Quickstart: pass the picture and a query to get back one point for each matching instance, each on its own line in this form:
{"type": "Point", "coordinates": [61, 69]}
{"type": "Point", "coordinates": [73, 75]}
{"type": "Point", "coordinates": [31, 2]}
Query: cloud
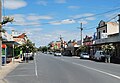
{"type": "Point", "coordinates": [90, 18]}
{"type": "Point", "coordinates": [66, 21]}
{"type": "Point", "coordinates": [14, 4]}
{"type": "Point", "coordinates": [30, 19]}
{"type": "Point", "coordinates": [87, 16]}
{"type": "Point", "coordinates": [9, 28]}
{"type": "Point", "coordinates": [18, 17]}
{"type": "Point", "coordinates": [44, 3]}
{"type": "Point", "coordinates": [32, 31]}
{"type": "Point", "coordinates": [48, 35]}
{"type": "Point", "coordinates": [54, 36]}
{"type": "Point", "coordinates": [60, 1]}
{"type": "Point", "coordinates": [42, 38]}
{"type": "Point", "coordinates": [38, 17]}
{"type": "Point", "coordinates": [73, 7]}
{"type": "Point", "coordinates": [84, 18]}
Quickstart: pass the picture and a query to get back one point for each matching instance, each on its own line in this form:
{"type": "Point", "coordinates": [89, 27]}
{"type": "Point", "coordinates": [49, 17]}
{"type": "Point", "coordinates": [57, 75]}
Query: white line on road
{"type": "Point", "coordinates": [115, 76]}
{"type": "Point", "coordinates": [19, 75]}
{"type": "Point", "coordinates": [36, 72]}
{"type": "Point", "coordinates": [112, 75]}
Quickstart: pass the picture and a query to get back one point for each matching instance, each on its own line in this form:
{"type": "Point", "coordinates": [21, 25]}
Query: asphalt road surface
{"type": "Point", "coordinates": [50, 69]}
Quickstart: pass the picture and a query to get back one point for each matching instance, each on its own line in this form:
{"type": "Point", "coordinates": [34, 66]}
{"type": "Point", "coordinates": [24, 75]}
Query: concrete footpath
{"type": "Point", "coordinates": [7, 69]}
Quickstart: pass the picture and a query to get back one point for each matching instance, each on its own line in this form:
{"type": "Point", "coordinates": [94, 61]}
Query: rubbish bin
{"type": "Point", "coordinates": [3, 60]}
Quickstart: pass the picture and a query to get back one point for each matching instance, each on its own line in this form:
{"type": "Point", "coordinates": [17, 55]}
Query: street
{"type": "Point", "coordinates": [50, 69]}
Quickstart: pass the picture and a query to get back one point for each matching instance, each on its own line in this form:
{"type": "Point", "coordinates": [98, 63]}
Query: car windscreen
{"type": "Point", "coordinates": [85, 53]}
{"type": "Point", "coordinates": [101, 53]}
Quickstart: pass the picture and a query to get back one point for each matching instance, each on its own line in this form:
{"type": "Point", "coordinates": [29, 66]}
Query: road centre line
{"type": "Point", "coordinates": [109, 74]}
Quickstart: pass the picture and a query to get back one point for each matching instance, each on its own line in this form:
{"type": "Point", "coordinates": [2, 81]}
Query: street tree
{"type": "Point", "coordinates": [44, 49]}
{"type": "Point", "coordinates": [108, 50]}
{"type": "Point", "coordinates": [82, 48]}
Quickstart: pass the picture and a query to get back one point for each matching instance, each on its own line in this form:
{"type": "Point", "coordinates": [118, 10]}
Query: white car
{"type": "Point", "coordinates": [30, 56]}
{"type": "Point", "coordinates": [84, 55]}
{"type": "Point", "coordinates": [99, 55]}
{"type": "Point", "coordinates": [57, 54]}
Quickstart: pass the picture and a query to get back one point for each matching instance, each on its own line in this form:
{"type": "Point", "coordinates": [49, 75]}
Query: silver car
{"type": "Point", "coordinates": [84, 55]}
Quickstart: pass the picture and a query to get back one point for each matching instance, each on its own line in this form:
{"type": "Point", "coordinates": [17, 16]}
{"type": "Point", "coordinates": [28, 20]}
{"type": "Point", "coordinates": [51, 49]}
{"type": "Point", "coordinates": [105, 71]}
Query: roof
{"type": "Point", "coordinates": [21, 36]}
{"type": "Point", "coordinates": [19, 40]}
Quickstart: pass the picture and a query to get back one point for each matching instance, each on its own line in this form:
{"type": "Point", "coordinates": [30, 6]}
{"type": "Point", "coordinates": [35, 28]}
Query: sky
{"type": "Point", "coordinates": [45, 20]}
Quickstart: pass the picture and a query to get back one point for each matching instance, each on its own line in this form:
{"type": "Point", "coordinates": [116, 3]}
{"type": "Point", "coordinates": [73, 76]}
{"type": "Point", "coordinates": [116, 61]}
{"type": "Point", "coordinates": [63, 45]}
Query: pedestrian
{"type": "Point", "coordinates": [107, 58]}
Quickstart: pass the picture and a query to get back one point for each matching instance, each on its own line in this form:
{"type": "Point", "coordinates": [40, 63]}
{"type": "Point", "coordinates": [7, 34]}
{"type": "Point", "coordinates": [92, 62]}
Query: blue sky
{"type": "Point", "coordinates": [45, 20]}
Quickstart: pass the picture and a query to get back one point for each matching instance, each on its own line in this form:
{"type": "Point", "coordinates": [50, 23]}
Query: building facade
{"type": "Point", "coordinates": [108, 33]}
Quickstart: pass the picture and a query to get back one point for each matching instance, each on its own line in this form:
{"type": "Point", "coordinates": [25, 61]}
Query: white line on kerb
{"type": "Point", "coordinates": [36, 72]}
{"type": "Point", "coordinates": [115, 76]}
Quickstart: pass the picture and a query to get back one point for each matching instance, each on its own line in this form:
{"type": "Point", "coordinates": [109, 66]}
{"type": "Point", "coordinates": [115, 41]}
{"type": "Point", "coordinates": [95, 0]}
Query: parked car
{"type": "Point", "coordinates": [50, 52]}
{"type": "Point", "coordinates": [99, 56]}
{"type": "Point", "coordinates": [57, 54]}
{"type": "Point", "coordinates": [84, 55]}
{"type": "Point", "coordinates": [29, 56]}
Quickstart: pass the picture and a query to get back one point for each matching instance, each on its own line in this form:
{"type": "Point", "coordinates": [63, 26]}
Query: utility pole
{"type": "Point", "coordinates": [0, 35]}
{"type": "Point", "coordinates": [119, 23]}
{"type": "Point", "coordinates": [61, 41]}
{"type": "Point", "coordinates": [81, 29]}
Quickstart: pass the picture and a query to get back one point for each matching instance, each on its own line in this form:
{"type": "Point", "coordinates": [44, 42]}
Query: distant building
{"type": "Point", "coordinates": [87, 41]}
{"type": "Point", "coordinates": [72, 47]}
{"type": "Point", "coordinates": [20, 38]}
{"type": "Point", "coordinates": [55, 45]}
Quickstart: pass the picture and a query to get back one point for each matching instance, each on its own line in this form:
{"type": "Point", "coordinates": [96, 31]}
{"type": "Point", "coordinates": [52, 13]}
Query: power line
{"type": "Point", "coordinates": [91, 28]}
{"type": "Point", "coordinates": [98, 14]}
{"type": "Point", "coordinates": [72, 19]}
{"type": "Point", "coordinates": [106, 21]}
{"type": "Point", "coordinates": [112, 18]}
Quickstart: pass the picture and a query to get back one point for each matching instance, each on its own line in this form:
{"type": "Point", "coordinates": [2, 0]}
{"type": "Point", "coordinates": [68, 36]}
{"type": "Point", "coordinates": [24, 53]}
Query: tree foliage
{"type": "Point", "coordinates": [28, 47]}
{"type": "Point", "coordinates": [44, 49]}
{"type": "Point", "coordinates": [83, 48]}
{"type": "Point", "coordinates": [109, 48]}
